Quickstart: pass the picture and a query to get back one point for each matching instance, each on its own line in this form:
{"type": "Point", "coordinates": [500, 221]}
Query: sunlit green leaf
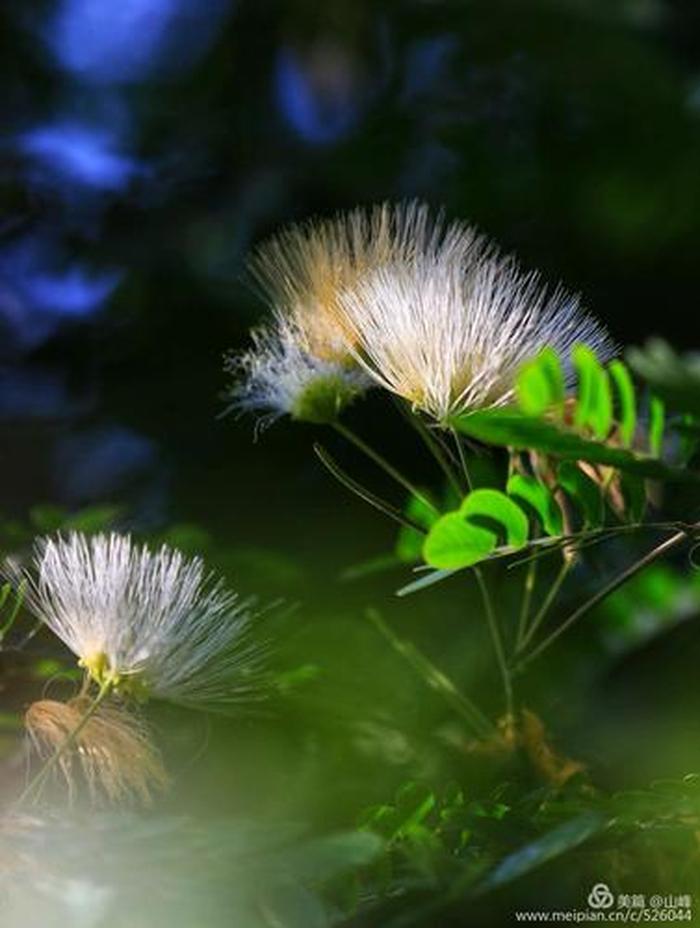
{"type": "Point", "coordinates": [657, 419]}
{"type": "Point", "coordinates": [453, 542]}
{"type": "Point", "coordinates": [674, 377]}
{"type": "Point", "coordinates": [627, 401]}
{"type": "Point", "coordinates": [594, 400]}
{"type": "Point", "coordinates": [540, 384]}
{"type": "Point", "coordinates": [496, 506]}
{"type": "Point", "coordinates": [537, 495]}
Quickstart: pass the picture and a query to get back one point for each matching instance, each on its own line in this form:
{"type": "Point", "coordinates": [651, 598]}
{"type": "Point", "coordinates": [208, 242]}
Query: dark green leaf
{"type": "Point", "coordinates": [509, 428]}
{"type": "Point", "coordinates": [553, 844]}
{"type": "Point", "coordinates": [539, 497]}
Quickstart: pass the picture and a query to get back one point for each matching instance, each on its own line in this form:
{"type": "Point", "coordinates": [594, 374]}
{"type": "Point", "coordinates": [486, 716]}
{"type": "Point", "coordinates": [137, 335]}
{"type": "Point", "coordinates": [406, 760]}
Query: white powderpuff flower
{"type": "Point", "coordinates": [147, 623]}
{"type": "Point", "coordinates": [278, 377]}
{"type": "Point", "coordinates": [449, 329]}
{"type": "Point", "coordinates": [303, 270]}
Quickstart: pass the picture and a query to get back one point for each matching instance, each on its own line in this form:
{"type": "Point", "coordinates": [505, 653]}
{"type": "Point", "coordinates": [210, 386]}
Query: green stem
{"type": "Point", "coordinates": [528, 590]}
{"type": "Point", "coordinates": [435, 678]}
{"type": "Point", "coordinates": [497, 639]}
{"type": "Point", "coordinates": [37, 782]}
{"type": "Point", "coordinates": [462, 459]}
{"type": "Point", "coordinates": [364, 494]}
{"type": "Point", "coordinates": [609, 588]}
{"type": "Point", "coordinates": [434, 448]}
{"type": "Point", "coordinates": [380, 461]}
{"type": "Point", "coordinates": [546, 605]}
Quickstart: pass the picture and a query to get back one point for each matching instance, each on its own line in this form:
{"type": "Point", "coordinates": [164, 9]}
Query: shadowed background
{"type": "Point", "coordinates": [148, 144]}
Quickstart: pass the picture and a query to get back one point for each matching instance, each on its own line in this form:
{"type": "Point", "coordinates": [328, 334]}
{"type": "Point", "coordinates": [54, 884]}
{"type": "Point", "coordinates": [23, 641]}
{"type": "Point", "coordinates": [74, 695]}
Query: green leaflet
{"type": "Point", "coordinates": [409, 542]}
{"type": "Point", "coordinates": [458, 540]}
{"type": "Point", "coordinates": [453, 542]}
{"type": "Point", "coordinates": [512, 429]}
{"type": "Point", "coordinates": [537, 495]}
{"type": "Point", "coordinates": [657, 419]}
{"type": "Point", "coordinates": [627, 401]}
{"type": "Point", "coordinates": [583, 491]}
{"type": "Point", "coordinates": [594, 401]}
{"type": "Point", "coordinates": [540, 385]}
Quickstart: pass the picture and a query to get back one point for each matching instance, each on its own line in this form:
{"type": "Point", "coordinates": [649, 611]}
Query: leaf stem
{"type": "Point", "coordinates": [371, 498]}
{"type": "Point", "coordinates": [547, 604]}
{"type": "Point", "coordinates": [497, 639]}
{"type": "Point", "coordinates": [528, 590]}
{"type": "Point", "coordinates": [653, 555]}
{"type": "Point", "coordinates": [433, 447]}
{"type": "Point", "coordinates": [435, 678]}
{"type": "Point", "coordinates": [381, 462]}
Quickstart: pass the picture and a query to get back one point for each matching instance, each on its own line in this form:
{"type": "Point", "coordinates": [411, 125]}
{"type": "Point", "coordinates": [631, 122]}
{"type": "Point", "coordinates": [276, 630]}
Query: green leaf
{"type": "Point", "coordinates": [539, 497]}
{"type": "Point", "coordinates": [496, 506]}
{"type": "Point", "coordinates": [456, 540]}
{"type": "Point", "coordinates": [627, 401]}
{"type": "Point", "coordinates": [511, 429]}
{"type": "Point", "coordinates": [583, 491]}
{"type": "Point", "coordinates": [657, 419]}
{"type": "Point", "coordinates": [594, 400]}
{"type": "Point", "coordinates": [453, 542]}
{"type": "Point", "coordinates": [674, 377]}
{"type": "Point", "coordinates": [429, 578]}
{"type": "Point", "coordinates": [553, 844]}
{"type": "Point", "coordinates": [93, 519]}
{"type": "Point", "coordinates": [409, 543]}
{"type": "Point", "coordinates": [540, 383]}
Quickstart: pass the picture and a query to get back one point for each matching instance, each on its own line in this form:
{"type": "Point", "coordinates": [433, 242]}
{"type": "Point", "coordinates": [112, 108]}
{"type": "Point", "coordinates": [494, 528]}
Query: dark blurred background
{"type": "Point", "coordinates": [147, 144]}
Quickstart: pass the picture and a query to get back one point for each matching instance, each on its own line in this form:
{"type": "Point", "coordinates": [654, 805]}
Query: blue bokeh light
{"type": "Point", "coordinates": [76, 154]}
{"type": "Point", "coordinates": [119, 41]}
{"type": "Point", "coordinates": [318, 97]}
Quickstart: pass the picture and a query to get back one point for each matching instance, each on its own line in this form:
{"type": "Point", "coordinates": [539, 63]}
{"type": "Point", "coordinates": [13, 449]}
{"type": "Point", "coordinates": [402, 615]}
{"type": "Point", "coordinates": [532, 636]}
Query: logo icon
{"type": "Point", "coordinates": [600, 897]}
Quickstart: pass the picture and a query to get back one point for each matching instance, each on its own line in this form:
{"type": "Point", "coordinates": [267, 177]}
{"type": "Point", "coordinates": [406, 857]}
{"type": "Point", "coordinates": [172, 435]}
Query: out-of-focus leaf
{"type": "Point", "coordinates": [94, 519]}
{"type": "Point", "coordinates": [674, 377]}
{"type": "Point", "coordinates": [324, 858]}
{"type": "Point", "coordinates": [627, 401]}
{"type": "Point", "coordinates": [511, 429]}
{"type": "Point", "coordinates": [536, 494]}
{"type": "Point", "coordinates": [429, 578]}
{"type": "Point", "coordinates": [290, 905]}
{"type": "Point", "coordinates": [409, 543]}
{"type": "Point", "coordinates": [594, 400]}
{"type": "Point", "coordinates": [583, 491]}
{"type": "Point", "coordinates": [558, 841]}
{"type": "Point", "coordinates": [657, 420]}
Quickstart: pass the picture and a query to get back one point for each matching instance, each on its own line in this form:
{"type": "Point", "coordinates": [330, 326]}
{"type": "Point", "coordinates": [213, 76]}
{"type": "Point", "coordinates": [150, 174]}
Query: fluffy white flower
{"type": "Point", "coordinates": [278, 376]}
{"type": "Point", "coordinates": [152, 623]}
{"type": "Point", "coordinates": [449, 329]}
{"type": "Point", "coordinates": [302, 270]}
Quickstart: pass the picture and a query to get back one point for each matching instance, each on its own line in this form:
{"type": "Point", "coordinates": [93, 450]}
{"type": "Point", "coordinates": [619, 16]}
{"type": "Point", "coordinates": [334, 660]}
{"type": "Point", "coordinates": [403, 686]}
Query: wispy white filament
{"type": "Point", "coordinates": [154, 615]}
{"type": "Point", "coordinates": [449, 329]}
{"type": "Point", "coordinates": [272, 377]}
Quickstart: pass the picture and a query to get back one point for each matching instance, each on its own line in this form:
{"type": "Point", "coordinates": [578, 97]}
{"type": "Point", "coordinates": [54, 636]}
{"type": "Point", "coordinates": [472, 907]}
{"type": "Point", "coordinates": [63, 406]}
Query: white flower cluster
{"type": "Point", "coordinates": [147, 623]}
{"type": "Point", "coordinates": [429, 310]}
